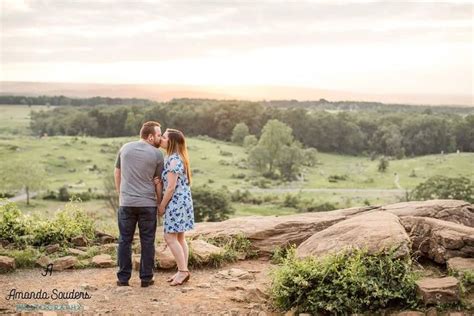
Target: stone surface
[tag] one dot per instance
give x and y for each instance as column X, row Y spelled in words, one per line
column 458, row 264
column 203, row 250
column 52, row 248
column 80, row 241
column 164, row 258
column 455, row 211
column 438, row 290
column 136, row 262
column 43, row 261
column 103, row 261
column 268, row 232
column 375, row 231
column 7, row 264
column 439, row 240
column 76, row 252
column 63, row 263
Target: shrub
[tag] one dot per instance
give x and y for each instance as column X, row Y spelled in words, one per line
column 211, row 205
column 335, row 178
column 441, row 187
column 13, row 224
column 70, row 222
column 348, row 282
column 245, row 197
column 383, row 164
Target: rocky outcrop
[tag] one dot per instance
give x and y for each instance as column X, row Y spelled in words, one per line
column 455, row 211
column 268, row 232
column 164, row 258
column 376, row 231
column 439, row 240
column 438, row 290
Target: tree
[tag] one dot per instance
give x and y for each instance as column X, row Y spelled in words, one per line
column 22, row 175
column 441, row 187
column 289, row 161
column 383, row 164
column 275, row 135
column 239, row 133
column 210, row 205
column 250, row 141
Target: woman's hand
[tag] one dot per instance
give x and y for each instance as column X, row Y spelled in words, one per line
column 161, row 210
column 156, row 180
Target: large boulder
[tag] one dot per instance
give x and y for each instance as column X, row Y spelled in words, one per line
column 268, row 232
column 376, row 231
column 203, row 251
column 438, row 290
column 164, row 258
column 439, row 240
column 455, row 211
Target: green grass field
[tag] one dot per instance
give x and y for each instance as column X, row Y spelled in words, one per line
column 82, row 163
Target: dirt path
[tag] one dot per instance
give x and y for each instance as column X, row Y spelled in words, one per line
column 207, row 292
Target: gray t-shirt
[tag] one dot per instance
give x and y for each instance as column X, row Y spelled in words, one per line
column 139, row 162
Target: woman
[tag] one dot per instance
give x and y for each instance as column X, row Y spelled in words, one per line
column 177, row 203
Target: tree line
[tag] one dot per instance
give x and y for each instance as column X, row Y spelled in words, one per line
column 346, row 132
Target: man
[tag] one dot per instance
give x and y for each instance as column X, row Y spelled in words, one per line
column 137, row 164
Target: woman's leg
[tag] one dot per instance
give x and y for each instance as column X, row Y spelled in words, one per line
column 176, row 249
column 184, row 245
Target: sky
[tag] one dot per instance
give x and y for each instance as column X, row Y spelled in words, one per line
column 405, row 47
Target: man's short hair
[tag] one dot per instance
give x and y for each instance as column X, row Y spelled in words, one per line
column 148, row 128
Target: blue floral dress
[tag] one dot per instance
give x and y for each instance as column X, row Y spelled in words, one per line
column 179, row 213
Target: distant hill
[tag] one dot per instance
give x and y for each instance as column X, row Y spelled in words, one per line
column 166, row 92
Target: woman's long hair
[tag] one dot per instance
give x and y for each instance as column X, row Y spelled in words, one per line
column 177, row 144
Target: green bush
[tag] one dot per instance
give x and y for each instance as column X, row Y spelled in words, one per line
column 13, row 224
column 211, row 205
column 348, row 282
column 70, row 222
column 441, row 187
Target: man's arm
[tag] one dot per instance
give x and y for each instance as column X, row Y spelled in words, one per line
column 117, row 175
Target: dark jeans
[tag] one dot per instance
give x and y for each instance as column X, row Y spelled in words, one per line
column 127, row 222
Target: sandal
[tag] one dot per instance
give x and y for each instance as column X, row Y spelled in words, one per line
column 184, row 280
column 172, row 278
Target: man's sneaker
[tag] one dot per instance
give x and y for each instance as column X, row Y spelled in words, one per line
column 120, row 283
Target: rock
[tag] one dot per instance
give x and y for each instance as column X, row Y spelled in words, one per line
column 43, row 261
column 52, row 248
column 107, row 239
column 203, row 250
column 455, row 211
column 409, row 313
column 256, row 293
column 237, row 273
column 62, row 263
column 204, row 285
column 76, row 252
column 108, row 248
column 164, row 258
column 461, row 265
column 186, row 289
column 80, row 241
column 234, row 288
column 439, row 290
column 103, row 261
column 439, row 240
column 267, row 232
column 104, row 238
column 7, row 264
column 375, row 230
column 4, row 243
